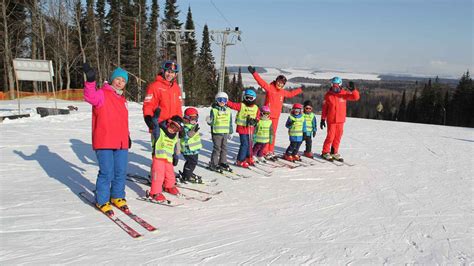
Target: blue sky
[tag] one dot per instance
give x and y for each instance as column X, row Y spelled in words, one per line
column 386, row 36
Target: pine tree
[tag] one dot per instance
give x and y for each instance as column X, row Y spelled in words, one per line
column 412, row 108
column 171, row 21
column 426, row 104
column 151, row 60
column 205, row 71
column 462, row 103
column 402, row 109
column 189, row 59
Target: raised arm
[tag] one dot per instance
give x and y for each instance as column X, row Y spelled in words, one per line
column 93, row 96
column 292, row 93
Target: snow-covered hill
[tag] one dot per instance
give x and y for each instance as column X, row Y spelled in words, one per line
column 271, row 73
column 408, row 199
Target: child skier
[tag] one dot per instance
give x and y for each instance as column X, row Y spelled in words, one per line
column 165, row 138
column 190, row 144
column 246, row 119
column 296, row 125
column 110, row 137
column 263, row 133
column 334, row 111
column 311, row 128
column 220, row 121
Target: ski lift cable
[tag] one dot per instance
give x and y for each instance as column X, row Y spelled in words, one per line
column 230, row 25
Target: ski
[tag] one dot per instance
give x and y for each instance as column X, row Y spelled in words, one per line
column 138, row 219
column 167, row 203
column 179, row 177
column 338, row 163
column 125, row 227
column 187, row 197
column 299, row 163
column 284, row 163
column 200, row 191
column 231, row 175
column 259, row 171
column 262, row 167
column 139, row 179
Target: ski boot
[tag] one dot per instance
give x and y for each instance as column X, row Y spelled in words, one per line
column 327, row 156
column 250, row 161
column 337, row 157
column 296, row 157
column 157, row 197
column 242, row 164
column 225, row 167
column 195, row 179
column 172, row 190
column 120, row 203
column 214, row 168
column 270, row 156
column 261, row 159
column 308, row 154
column 288, row 157
column 105, row 208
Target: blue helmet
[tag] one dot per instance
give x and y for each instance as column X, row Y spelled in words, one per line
column 336, row 80
column 250, row 92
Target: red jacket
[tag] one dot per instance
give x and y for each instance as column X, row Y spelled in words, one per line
column 334, row 105
column 109, row 117
column 274, row 97
column 243, row 130
column 165, row 95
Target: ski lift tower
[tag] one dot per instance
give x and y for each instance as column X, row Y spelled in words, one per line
column 221, row 37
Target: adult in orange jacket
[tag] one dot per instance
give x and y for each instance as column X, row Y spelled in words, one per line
column 275, row 94
column 163, row 96
column 334, row 112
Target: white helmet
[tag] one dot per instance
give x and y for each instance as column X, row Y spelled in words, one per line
column 221, row 95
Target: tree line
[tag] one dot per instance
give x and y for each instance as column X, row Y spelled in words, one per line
column 106, row 34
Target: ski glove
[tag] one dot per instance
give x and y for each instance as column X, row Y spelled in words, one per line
column 351, row 86
column 196, row 128
column 314, row 134
column 89, row 72
column 322, row 124
column 149, row 122
column 129, row 142
column 252, row 122
column 251, row 69
column 175, row 159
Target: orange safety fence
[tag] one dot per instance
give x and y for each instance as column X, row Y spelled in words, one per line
column 69, row 95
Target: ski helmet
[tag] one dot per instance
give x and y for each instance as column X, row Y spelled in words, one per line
column 297, row 106
column 265, row 110
column 190, row 111
column 170, row 65
column 176, row 121
column 221, row 97
column 336, row 80
column 281, row 78
column 249, row 96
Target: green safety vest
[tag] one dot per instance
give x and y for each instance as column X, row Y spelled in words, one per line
column 193, row 143
column 309, row 120
column 221, row 121
column 263, row 131
column 246, row 111
column 297, row 129
column 164, row 146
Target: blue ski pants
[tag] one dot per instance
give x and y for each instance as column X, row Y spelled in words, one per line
column 111, row 178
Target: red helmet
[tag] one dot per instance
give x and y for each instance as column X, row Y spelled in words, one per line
column 190, row 111
column 297, row 106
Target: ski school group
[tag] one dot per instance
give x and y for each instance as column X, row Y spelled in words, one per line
column 174, row 132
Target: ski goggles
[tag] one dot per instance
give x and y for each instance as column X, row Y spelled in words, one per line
column 171, row 66
column 265, row 113
column 308, row 108
column 173, row 127
column 296, row 111
column 221, row 100
column 191, row 118
column 249, row 98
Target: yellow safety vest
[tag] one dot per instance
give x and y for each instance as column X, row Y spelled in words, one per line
column 221, row 121
column 296, row 129
column 193, row 143
column 309, row 121
column 263, row 131
column 246, row 111
column 164, row 146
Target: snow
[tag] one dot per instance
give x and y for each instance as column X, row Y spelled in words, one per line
column 289, row 73
column 408, row 199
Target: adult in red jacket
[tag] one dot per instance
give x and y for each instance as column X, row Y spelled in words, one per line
column 275, row 94
column 163, row 96
column 334, row 112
